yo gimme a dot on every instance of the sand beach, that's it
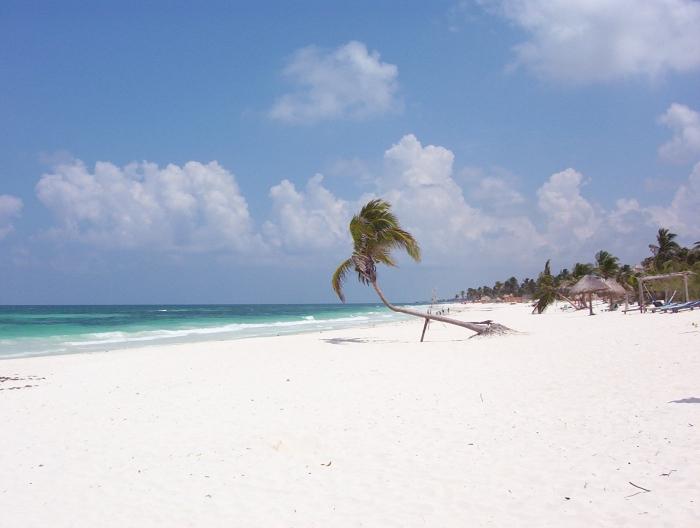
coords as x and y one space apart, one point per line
577 421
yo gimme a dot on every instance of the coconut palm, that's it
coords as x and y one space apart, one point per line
511 286
580 270
376 233
546 292
607 265
665 248
563 278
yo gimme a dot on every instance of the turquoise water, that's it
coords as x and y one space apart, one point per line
46 330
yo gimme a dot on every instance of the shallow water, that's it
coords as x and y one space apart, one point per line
47 330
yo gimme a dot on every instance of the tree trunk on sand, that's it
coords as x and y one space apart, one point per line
485 328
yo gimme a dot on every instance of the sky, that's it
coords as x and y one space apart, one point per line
214 152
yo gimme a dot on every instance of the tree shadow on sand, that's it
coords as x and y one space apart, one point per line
355 340
686 400
358 340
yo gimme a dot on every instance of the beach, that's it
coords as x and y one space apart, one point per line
575 421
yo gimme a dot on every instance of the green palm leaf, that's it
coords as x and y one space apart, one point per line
376 234
339 277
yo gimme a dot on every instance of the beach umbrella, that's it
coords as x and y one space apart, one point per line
589 284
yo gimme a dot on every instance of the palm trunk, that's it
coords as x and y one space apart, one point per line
485 328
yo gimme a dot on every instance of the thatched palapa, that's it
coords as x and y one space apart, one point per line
590 284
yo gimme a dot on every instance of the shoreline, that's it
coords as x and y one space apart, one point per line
193 331
366 426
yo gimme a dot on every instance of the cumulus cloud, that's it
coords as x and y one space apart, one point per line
199 207
10 208
416 180
312 218
627 215
583 41
419 182
492 189
497 192
684 146
348 82
570 218
196 207
681 215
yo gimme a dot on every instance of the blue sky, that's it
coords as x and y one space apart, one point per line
172 152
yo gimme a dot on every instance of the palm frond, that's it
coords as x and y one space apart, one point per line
339 277
383 255
400 239
376 233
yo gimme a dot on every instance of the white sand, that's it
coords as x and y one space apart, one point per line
366 427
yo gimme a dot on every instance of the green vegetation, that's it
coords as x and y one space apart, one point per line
666 256
546 292
375 234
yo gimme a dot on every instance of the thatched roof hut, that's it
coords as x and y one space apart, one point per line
617 290
590 284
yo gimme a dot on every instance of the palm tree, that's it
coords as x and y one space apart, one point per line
375 233
546 292
580 270
665 248
511 286
498 288
563 278
529 286
607 265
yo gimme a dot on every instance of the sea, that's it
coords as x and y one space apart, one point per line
49 330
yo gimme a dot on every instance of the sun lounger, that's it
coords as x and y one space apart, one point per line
676 307
664 307
671 306
687 306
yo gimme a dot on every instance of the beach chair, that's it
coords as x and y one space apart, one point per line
691 305
663 307
670 306
676 307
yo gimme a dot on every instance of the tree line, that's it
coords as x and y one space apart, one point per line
667 256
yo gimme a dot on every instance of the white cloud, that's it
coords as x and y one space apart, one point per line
10 208
310 219
496 192
199 207
627 215
591 41
418 182
684 146
681 215
196 207
348 82
571 219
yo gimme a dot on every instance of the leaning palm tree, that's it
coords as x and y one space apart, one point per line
375 233
546 292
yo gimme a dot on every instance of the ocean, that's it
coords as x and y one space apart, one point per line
48 330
